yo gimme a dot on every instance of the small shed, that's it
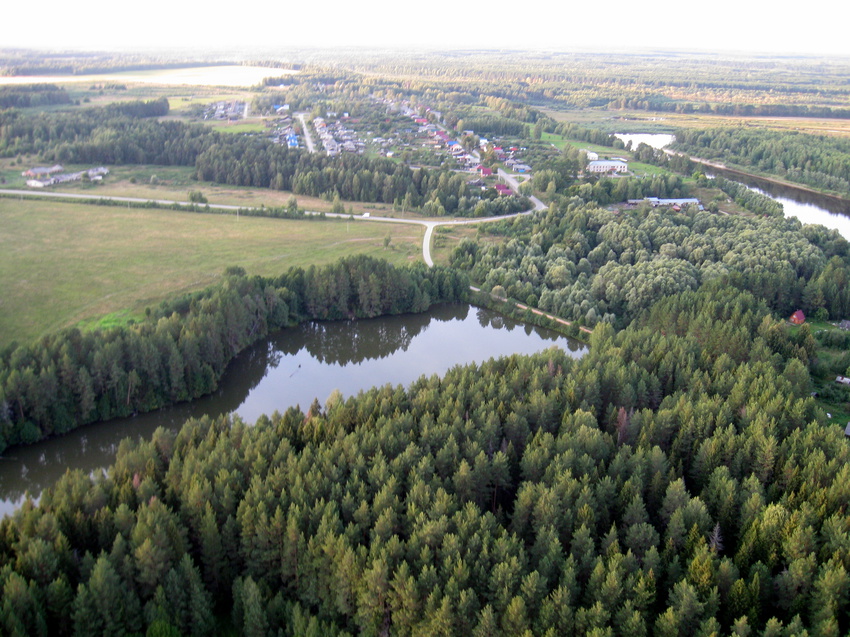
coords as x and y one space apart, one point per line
798 318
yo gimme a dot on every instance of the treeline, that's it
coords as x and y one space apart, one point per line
29 95
138 108
495 126
656 103
753 201
180 350
607 190
590 135
128 133
676 481
83 63
591 81
819 161
583 263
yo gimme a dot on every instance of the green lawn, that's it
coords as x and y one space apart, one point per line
66 264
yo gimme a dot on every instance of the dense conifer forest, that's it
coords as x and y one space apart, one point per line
676 480
680 479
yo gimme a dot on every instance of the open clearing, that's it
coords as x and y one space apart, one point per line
65 264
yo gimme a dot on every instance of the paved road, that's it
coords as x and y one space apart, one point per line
308 139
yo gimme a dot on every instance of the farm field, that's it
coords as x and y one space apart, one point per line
65 264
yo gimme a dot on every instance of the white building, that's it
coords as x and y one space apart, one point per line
607 166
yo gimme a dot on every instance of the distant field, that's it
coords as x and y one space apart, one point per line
64 264
174 183
231 75
253 125
648 122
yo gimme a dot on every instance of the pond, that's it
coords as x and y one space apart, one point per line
292 368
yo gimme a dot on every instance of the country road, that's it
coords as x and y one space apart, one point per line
426 243
308 138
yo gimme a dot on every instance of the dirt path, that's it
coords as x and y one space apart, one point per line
522 306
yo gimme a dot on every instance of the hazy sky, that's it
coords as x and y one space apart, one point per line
724 25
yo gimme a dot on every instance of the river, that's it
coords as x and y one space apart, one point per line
808 207
291 368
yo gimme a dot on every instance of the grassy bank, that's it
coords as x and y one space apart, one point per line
63 264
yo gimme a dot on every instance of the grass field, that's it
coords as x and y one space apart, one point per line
69 264
174 183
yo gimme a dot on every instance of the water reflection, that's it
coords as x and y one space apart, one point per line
809 207
292 368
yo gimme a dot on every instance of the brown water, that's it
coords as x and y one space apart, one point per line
292 368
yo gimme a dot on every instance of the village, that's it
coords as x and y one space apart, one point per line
43 176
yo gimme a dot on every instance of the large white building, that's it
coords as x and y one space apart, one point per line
607 166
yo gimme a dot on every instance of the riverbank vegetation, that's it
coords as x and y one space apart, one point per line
822 162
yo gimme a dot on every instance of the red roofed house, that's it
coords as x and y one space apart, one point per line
798 318
485 171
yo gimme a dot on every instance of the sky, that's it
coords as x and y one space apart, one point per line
613 25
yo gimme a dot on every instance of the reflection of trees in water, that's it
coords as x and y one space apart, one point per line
345 342
356 341
834 205
93 447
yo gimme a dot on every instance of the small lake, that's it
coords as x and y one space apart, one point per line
656 140
291 368
229 75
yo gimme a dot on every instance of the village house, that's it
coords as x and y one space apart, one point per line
42 171
798 318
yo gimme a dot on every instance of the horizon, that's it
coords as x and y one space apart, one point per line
724 28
